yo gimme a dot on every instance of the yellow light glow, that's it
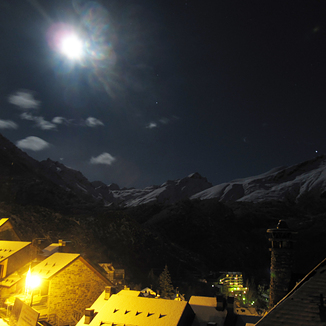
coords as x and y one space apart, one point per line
32 281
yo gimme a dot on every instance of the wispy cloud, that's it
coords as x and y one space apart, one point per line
39 121
93 122
151 125
33 143
24 99
162 121
8 124
45 125
60 120
104 158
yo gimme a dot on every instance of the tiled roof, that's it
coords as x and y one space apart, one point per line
304 305
53 264
131 310
8 248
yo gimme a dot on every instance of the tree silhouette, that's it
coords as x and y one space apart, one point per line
165 284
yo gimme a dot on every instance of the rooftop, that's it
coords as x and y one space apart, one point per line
8 248
53 264
304 305
51 249
3 221
133 310
203 301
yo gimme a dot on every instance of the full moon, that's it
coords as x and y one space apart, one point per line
63 38
71 46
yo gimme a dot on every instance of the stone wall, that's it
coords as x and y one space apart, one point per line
281 265
19 259
7 232
72 290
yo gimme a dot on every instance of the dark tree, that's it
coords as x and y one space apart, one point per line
165 284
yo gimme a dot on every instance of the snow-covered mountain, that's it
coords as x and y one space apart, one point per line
52 183
284 184
167 193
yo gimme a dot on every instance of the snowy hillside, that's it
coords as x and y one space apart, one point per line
168 193
284 183
52 183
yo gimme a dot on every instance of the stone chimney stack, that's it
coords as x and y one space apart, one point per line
281 261
89 315
108 292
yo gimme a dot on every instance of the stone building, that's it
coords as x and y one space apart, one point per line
14 255
305 304
281 261
206 311
116 276
68 285
7 231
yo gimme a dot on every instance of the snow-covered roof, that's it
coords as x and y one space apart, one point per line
132 310
3 221
11 280
8 248
131 293
53 264
203 301
51 249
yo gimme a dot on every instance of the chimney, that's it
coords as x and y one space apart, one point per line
108 292
281 261
62 244
89 315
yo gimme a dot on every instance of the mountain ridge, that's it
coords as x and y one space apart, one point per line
170 224
31 181
284 184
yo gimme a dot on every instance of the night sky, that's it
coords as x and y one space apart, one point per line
162 89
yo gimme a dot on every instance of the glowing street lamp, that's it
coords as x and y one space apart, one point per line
32 282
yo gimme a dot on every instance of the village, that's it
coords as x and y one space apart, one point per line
55 287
